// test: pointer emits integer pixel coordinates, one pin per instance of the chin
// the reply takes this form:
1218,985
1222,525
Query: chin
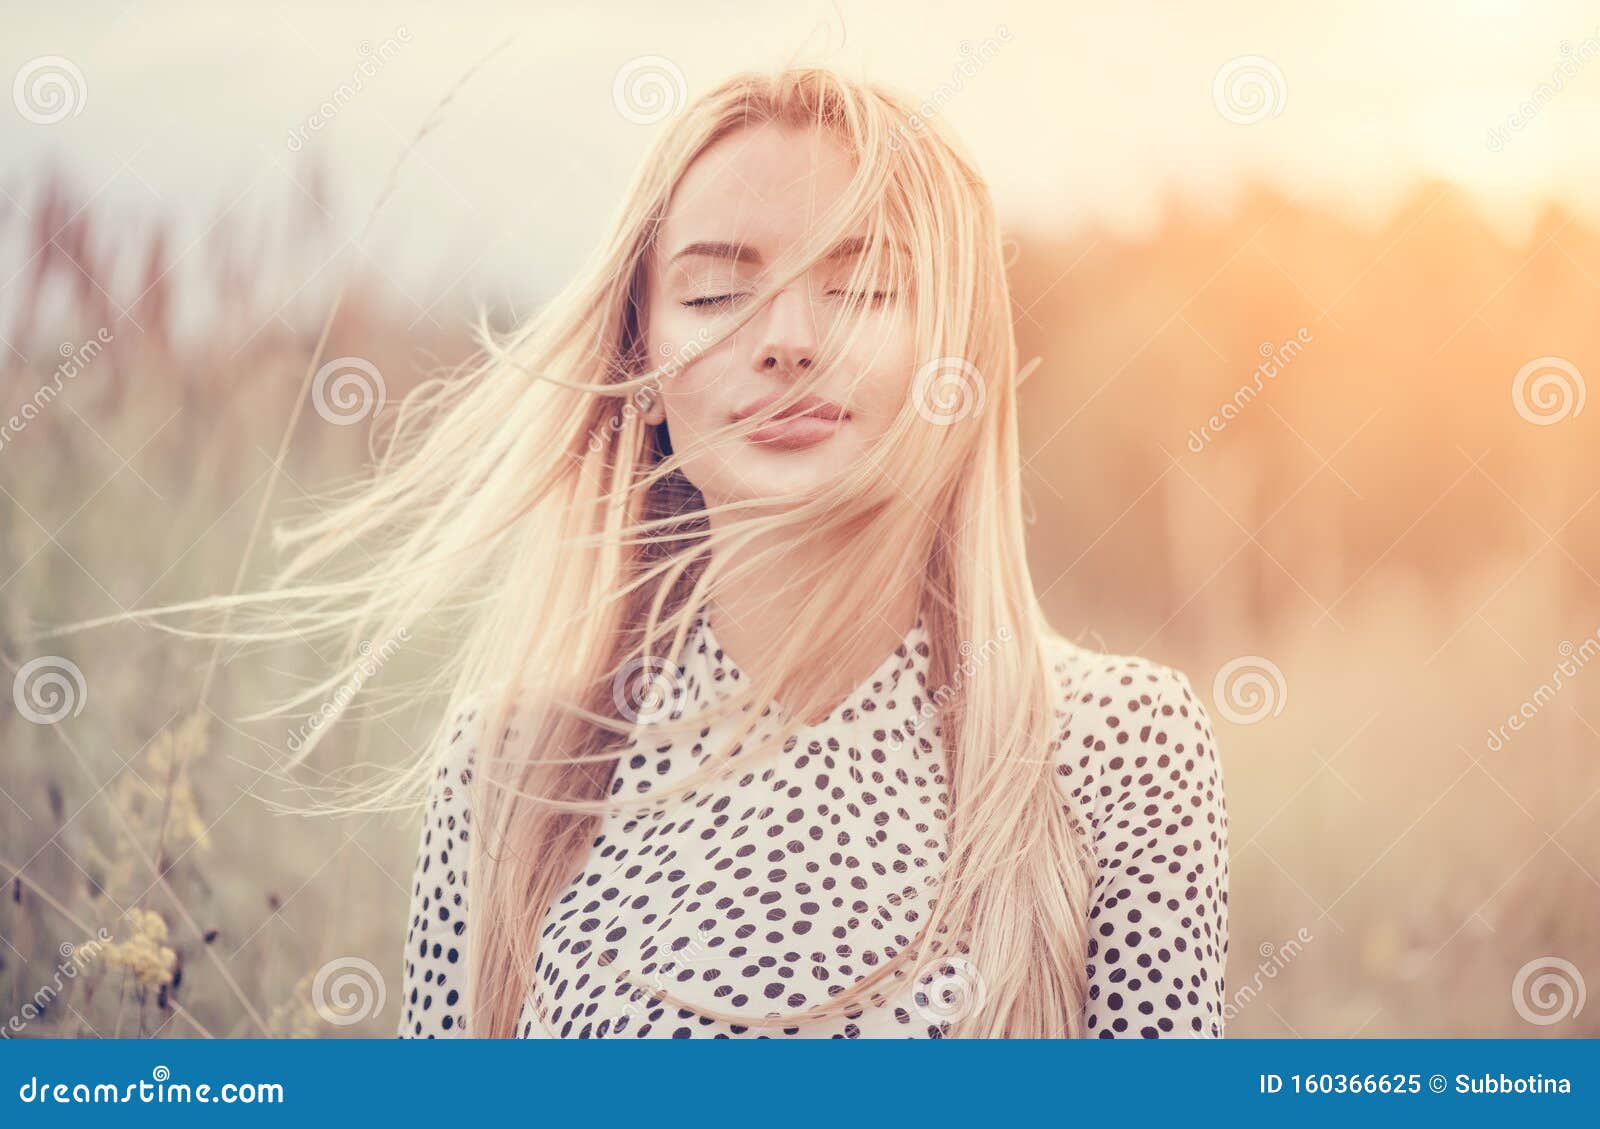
759,476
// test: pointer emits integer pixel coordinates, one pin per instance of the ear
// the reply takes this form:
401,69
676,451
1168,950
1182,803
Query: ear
651,409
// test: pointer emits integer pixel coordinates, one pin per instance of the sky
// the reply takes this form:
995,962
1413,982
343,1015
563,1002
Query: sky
1080,115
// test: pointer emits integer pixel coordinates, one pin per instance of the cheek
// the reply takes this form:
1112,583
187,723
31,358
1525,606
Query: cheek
698,397
885,370
689,394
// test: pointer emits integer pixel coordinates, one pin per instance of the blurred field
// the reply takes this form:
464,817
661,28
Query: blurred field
1381,525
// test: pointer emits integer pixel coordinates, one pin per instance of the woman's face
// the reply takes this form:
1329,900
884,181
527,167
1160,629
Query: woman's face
746,200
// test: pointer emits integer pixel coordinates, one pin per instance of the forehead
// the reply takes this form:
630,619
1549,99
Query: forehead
762,185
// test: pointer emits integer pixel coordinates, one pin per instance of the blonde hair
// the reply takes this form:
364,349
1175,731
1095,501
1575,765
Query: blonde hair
531,503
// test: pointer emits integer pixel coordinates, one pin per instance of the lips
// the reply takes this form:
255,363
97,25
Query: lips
805,423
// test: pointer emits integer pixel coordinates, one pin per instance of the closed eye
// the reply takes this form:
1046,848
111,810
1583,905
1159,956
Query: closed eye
859,297
710,300
854,297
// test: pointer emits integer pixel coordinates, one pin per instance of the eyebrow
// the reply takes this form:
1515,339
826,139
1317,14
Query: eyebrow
744,253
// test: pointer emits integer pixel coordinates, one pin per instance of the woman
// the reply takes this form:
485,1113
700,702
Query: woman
759,728
761,731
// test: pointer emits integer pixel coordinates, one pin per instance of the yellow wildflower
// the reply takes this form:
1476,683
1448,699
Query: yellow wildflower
145,953
166,782
297,1017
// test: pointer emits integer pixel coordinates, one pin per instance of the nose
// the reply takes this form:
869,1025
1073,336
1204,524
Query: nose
787,340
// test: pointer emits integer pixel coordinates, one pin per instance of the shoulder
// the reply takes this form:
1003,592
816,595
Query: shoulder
453,764
447,817
1135,755
459,752
456,752
1117,714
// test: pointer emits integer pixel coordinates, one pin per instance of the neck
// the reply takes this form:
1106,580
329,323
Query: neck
753,609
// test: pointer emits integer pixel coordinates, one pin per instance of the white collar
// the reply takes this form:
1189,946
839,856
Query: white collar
890,704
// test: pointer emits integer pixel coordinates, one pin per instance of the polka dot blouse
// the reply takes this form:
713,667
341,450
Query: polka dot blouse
772,889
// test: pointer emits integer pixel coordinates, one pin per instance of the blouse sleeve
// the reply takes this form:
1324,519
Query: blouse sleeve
434,982
1138,760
